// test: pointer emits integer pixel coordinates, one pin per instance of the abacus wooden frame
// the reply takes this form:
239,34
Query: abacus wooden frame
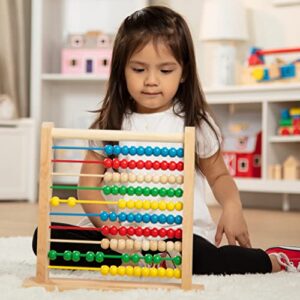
48,133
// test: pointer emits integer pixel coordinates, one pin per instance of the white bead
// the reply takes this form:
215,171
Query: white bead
177,246
148,178
170,246
145,245
124,177
179,179
163,178
116,177
156,179
161,246
113,244
137,245
153,245
121,244
105,243
131,177
107,177
129,244
140,178
172,179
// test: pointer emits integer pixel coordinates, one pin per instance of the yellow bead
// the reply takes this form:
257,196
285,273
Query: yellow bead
121,270
162,205
145,272
138,204
258,73
179,205
113,270
154,205
129,270
71,201
153,272
55,201
146,204
130,204
161,272
122,203
169,273
137,271
104,269
177,273
170,206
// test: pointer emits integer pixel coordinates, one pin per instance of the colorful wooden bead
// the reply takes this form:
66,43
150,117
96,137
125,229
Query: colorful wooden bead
163,179
71,201
104,269
105,243
55,201
153,245
137,245
107,177
114,244
131,177
138,204
170,246
113,270
179,179
170,206
178,246
122,203
124,177
145,245
161,246
129,244
121,270
116,177
145,272
148,178
162,205
172,179
140,178
179,206
156,178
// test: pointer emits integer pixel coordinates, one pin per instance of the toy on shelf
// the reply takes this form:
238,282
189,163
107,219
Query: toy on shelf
289,123
257,71
88,53
160,189
289,170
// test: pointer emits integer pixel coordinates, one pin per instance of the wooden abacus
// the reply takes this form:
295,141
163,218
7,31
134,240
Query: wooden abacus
44,253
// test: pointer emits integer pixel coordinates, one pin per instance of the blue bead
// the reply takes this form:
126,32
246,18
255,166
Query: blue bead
162,219
124,150
130,217
146,218
122,217
113,216
179,152
117,149
132,150
156,151
140,150
178,219
104,216
164,151
170,219
138,218
172,152
108,149
148,150
154,218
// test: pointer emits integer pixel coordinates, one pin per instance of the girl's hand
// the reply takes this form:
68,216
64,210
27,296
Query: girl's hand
233,224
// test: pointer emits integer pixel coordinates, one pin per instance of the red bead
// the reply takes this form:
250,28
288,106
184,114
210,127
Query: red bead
162,232
140,164
172,165
180,166
156,165
107,162
115,163
164,165
113,230
297,131
154,232
123,163
105,230
131,164
170,233
146,231
178,233
148,164
138,231
122,230
130,230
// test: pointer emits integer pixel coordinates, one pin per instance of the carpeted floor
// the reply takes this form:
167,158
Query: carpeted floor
18,263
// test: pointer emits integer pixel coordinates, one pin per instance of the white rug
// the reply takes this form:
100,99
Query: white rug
18,262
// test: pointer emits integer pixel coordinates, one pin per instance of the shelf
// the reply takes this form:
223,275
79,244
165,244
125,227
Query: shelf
73,77
268,186
284,139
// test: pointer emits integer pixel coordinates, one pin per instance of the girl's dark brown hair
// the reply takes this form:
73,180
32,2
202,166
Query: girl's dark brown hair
153,23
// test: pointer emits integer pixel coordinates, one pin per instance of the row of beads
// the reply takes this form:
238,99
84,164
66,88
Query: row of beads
138,245
148,151
131,177
139,191
139,231
99,257
140,164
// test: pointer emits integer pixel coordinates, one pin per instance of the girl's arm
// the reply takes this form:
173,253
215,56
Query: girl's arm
232,221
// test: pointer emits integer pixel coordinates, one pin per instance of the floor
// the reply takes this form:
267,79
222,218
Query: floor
267,227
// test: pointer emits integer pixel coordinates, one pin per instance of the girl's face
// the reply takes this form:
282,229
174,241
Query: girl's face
152,77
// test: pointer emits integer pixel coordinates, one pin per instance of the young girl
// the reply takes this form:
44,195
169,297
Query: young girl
153,86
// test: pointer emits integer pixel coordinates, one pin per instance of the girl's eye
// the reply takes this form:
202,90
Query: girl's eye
166,71
138,70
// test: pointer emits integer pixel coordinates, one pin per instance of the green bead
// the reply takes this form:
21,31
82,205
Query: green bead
135,258
177,260
154,192
146,191
162,192
138,191
76,256
157,259
90,256
125,257
106,190
130,190
52,254
115,190
99,257
67,255
178,193
148,258
170,192
123,190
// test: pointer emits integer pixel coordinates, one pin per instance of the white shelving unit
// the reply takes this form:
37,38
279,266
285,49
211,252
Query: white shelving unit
267,100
